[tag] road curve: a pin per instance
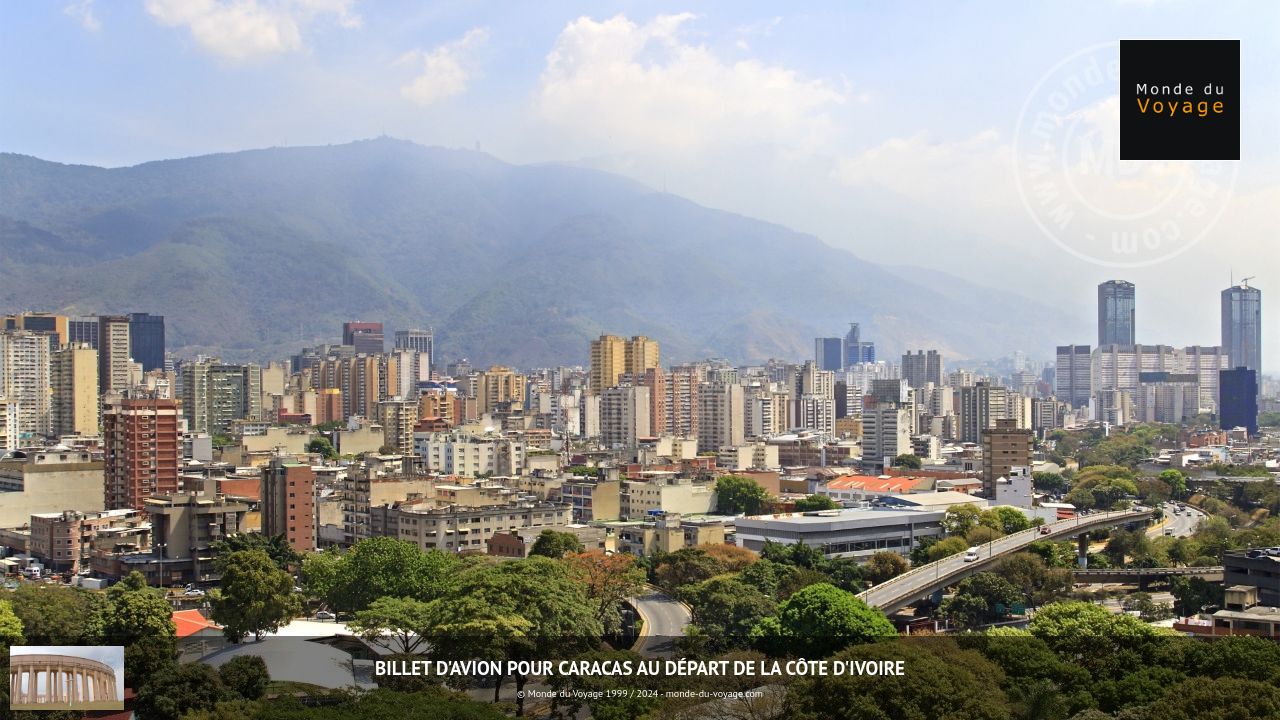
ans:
(665, 620)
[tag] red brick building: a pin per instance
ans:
(289, 503)
(141, 451)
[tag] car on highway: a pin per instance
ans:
(1045, 529)
(971, 554)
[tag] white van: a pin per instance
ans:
(971, 554)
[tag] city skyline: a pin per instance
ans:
(425, 73)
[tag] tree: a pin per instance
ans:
(322, 447)
(276, 547)
(725, 610)
(59, 615)
(178, 690)
(945, 548)
(1217, 699)
(960, 519)
(981, 535)
(254, 597)
(10, 626)
(819, 620)
(1004, 519)
(1050, 482)
(1033, 578)
(815, 502)
(531, 609)
(608, 580)
(384, 567)
(246, 675)
(1176, 481)
(686, 566)
(738, 495)
(732, 557)
(965, 611)
(1192, 594)
(884, 566)
(1148, 610)
(141, 620)
(908, 461)
(555, 544)
(945, 682)
(1087, 633)
(399, 624)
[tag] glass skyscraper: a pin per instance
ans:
(146, 340)
(1116, 303)
(1242, 326)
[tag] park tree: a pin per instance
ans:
(965, 611)
(686, 566)
(1050, 482)
(386, 567)
(322, 447)
(555, 544)
(245, 675)
(1216, 699)
(945, 548)
(815, 502)
(1004, 519)
(179, 689)
(1035, 581)
(981, 535)
(945, 682)
(398, 624)
(819, 620)
(1088, 633)
(524, 610)
(908, 461)
(960, 519)
(254, 597)
(141, 620)
(608, 581)
(738, 495)
(276, 547)
(884, 566)
(10, 626)
(725, 610)
(732, 557)
(1192, 594)
(59, 615)
(1176, 481)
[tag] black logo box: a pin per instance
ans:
(1184, 64)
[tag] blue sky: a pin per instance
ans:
(885, 128)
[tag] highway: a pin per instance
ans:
(1182, 523)
(665, 620)
(899, 592)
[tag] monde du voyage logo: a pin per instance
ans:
(1179, 99)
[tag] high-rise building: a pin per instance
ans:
(612, 357)
(681, 402)
(421, 342)
(74, 380)
(886, 434)
(25, 382)
(146, 340)
(1242, 326)
(1005, 446)
(829, 353)
(624, 416)
(365, 337)
(656, 380)
(721, 416)
(1239, 404)
(288, 503)
(82, 329)
(215, 395)
(1116, 303)
(919, 368)
(54, 326)
(498, 387)
(141, 449)
(857, 350)
(113, 353)
(1073, 375)
(978, 408)
(398, 416)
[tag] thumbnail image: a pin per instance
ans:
(66, 677)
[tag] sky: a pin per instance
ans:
(895, 130)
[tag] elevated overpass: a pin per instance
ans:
(899, 592)
(1142, 576)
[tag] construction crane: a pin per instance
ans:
(1244, 282)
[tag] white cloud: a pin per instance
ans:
(445, 69)
(240, 29)
(644, 87)
(83, 11)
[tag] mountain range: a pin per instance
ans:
(254, 254)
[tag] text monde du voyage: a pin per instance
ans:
(628, 668)
(1179, 99)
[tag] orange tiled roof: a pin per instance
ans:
(874, 483)
(190, 622)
